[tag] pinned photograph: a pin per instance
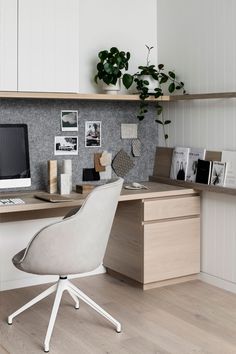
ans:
(66, 145)
(93, 134)
(69, 121)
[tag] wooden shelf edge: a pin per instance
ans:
(195, 186)
(105, 97)
(75, 96)
(202, 96)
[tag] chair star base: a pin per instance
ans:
(76, 294)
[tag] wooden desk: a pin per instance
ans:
(155, 235)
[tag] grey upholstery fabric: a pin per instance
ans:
(77, 243)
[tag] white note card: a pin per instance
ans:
(129, 131)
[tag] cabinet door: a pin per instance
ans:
(48, 45)
(8, 45)
(171, 249)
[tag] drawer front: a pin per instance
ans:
(171, 249)
(159, 209)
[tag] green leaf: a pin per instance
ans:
(114, 50)
(103, 55)
(159, 121)
(96, 78)
(167, 122)
(172, 75)
(161, 66)
(108, 68)
(128, 56)
(127, 80)
(171, 87)
(166, 136)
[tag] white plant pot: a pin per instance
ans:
(111, 89)
(152, 83)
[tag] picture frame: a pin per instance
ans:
(69, 121)
(66, 145)
(93, 134)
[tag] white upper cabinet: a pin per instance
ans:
(125, 24)
(8, 45)
(48, 49)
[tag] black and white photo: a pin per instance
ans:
(93, 134)
(66, 145)
(69, 121)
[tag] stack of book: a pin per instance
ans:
(189, 164)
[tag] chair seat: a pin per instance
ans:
(16, 260)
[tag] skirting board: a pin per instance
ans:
(43, 279)
(218, 282)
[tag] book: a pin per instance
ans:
(230, 175)
(203, 171)
(195, 154)
(179, 163)
(218, 173)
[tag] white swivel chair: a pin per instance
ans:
(73, 245)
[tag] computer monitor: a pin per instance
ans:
(14, 156)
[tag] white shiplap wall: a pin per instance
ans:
(198, 40)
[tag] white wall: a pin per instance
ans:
(197, 39)
(107, 23)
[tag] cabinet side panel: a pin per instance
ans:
(124, 252)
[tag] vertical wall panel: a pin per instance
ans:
(198, 41)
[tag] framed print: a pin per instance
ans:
(66, 145)
(69, 121)
(93, 134)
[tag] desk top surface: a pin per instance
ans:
(155, 190)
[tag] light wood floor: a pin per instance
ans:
(187, 318)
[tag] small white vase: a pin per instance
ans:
(152, 83)
(111, 89)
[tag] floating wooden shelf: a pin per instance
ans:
(195, 186)
(75, 96)
(105, 97)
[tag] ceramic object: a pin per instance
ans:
(111, 89)
(65, 183)
(67, 169)
(152, 83)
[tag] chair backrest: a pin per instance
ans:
(78, 243)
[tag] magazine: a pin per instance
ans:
(204, 171)
(194, 155)
(230, 175)
(179, 163)
(218, 173)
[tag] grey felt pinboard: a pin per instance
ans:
(43, 118)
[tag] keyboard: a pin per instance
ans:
(11, 201)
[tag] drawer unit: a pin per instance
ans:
(166, 208)
(156, 241)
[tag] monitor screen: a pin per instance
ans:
(14, 156)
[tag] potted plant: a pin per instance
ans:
(149, 80)
(110, 67)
